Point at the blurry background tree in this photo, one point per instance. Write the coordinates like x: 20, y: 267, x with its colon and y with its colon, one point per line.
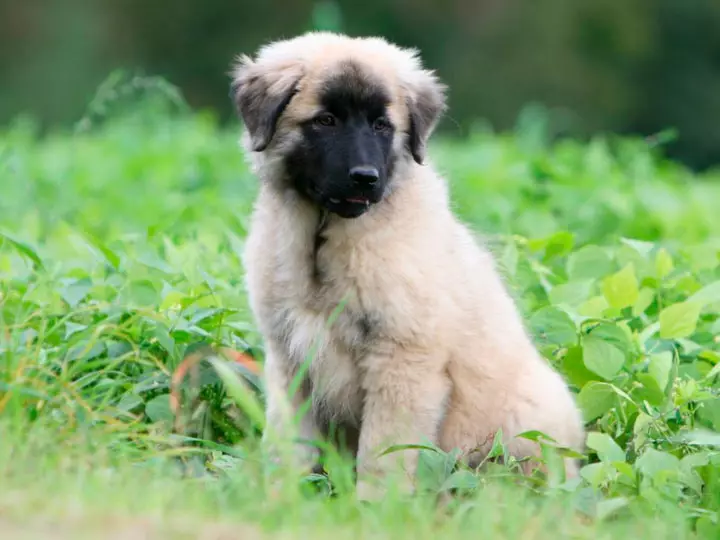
x: 638, y: 66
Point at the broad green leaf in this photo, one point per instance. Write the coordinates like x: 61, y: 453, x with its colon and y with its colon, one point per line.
x: 559, y: 243
x: 594, y: 307
x: 462, y: 479
x: 644, y: 300
x: 709, y: 294
x: 621, y: 288
x: 172, y: 298
x: 165, y: 339
x: 641, y: 247
x: 74, y: 292
x: 608, y: 507
x: 141, y: 293
x: 158, y: 408
x: 679, y: 320
x: 605, y: 447
x: 706, y: 526
x: 571, y: 293
x: 130, y: 401
x: 615, y: 334
x: 72, y: 328
x: 699, y: 459
x: 659, y: 368
x: 701, y: 437
x: 602, y: 357
x: 574, y: 368
x: 596, y: 473
x: 433, y: 469
x: 652, y: 462
x: 553, y: 325
x: 589, y: 262
x: 650, y: 390
x: 595, y: 399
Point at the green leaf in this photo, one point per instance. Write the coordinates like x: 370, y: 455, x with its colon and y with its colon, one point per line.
x: 652, y: 462
x: 608, y: 507
x: 595, y: 399
x: 433, y: 469
x: 552, y: 325
x: 589, y: 262
x: 574, y: 368
x: 23, y: 248
x: 401, y: 447
x: 130, y: 401
x: 645, y: 299
x: 75, y: 291
x: 679, y: 320
x: 709, y: 294
x: 700, y: 437
x: 601, y: 357
x: 650, y: 390
x: 559, y: 243
x: 571, y: 293
x: 158, y: 409
x: 537, y: 436
x: 659, y: 368
x: 165, y: 339
x: 614, y: 334
x: 141, y: 293
x: 621, y: 288
x: 596, y: 473
x: 72, y: 328
x: 594, y: 307
x: 498, y: 448
x: 462, y: 479
x: 605, y: 447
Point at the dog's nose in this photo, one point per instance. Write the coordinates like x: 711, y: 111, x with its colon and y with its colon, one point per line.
x: 364, y: 175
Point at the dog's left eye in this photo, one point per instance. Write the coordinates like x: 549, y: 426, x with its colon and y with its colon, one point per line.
x: 325, y: 119
x: 382, y: 124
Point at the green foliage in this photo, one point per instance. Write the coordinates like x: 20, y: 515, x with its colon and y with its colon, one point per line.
x: 120, y: 259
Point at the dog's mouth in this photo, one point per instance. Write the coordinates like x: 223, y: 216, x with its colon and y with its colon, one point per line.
x: 352, y: 200
x: 349, y: 207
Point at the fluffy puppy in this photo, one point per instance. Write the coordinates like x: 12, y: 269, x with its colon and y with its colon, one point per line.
x: 427, y: 346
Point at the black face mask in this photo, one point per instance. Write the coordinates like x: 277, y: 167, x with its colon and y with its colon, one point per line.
x: 345, y: 159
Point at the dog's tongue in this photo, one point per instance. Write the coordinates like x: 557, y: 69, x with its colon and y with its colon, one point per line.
x: 358, y: 200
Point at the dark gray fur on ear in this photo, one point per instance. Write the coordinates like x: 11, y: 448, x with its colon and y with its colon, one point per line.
x: 260, y: 97
x: 426, y: 105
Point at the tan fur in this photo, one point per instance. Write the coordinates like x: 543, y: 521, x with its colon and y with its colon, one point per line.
x: 429, y: 347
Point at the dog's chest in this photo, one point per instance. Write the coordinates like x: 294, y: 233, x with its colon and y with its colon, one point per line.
x: 335, y: 351
x: 314, y: 307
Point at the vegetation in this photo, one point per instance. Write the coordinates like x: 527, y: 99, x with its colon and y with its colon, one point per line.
x: 126, y: 403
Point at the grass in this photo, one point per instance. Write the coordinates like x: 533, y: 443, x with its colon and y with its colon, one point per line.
x: 119, y: 260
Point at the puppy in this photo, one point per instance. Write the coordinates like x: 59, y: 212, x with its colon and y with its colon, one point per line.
x: 354, y: 258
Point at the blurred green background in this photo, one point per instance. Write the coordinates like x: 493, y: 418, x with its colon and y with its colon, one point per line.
x: 627, y: 66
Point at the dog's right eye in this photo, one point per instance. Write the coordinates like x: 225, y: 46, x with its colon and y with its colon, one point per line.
x: 325, y: 119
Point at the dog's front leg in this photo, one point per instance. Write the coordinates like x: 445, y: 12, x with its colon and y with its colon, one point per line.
x: 282, y: 427
x: 405, y: 398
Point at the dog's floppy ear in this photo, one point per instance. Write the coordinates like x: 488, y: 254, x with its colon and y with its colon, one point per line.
x: 261, y: 93
x: 426, y: 102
